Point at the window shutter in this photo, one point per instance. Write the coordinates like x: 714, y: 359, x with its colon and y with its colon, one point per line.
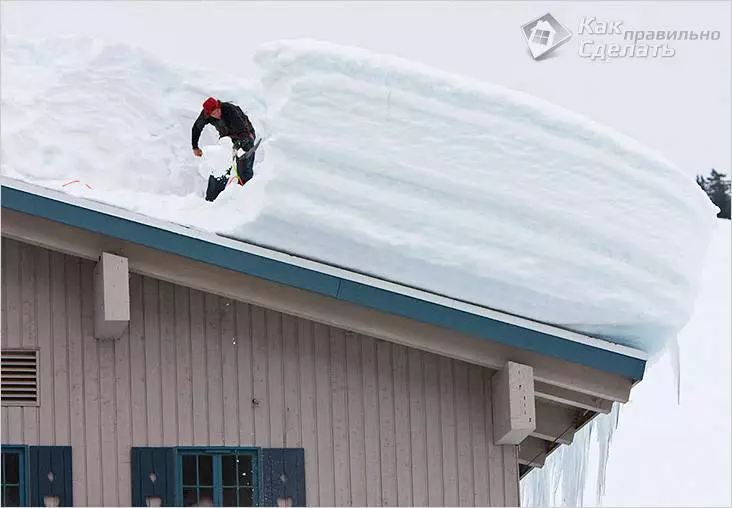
x: 153, y: 475
x: 51, y: 475
x: 283, y: 476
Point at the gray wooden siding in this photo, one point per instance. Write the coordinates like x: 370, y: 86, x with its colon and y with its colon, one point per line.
x: 381, y: 424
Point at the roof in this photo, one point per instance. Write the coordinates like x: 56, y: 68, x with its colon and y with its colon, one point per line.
x: 323, y: 279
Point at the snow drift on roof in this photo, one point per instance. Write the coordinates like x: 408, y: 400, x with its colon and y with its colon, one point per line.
x: 387, y: 167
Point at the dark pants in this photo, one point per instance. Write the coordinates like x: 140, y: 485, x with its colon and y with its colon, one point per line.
x: 244, y: 168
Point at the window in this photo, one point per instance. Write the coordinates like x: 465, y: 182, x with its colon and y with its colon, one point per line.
x: 541, y: 37
x: 217, y: 477
x: 13, y: 476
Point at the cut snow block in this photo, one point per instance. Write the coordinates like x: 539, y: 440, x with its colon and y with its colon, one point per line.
x: 111, y: 296
x: 514, y: 411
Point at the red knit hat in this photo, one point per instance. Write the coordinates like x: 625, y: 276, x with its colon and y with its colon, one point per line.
x: 209, y: 105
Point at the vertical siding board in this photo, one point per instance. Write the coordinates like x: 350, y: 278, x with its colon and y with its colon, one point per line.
x: 108, y: 427
x: 495, y: 454
x: 169, y: 388
x: 418, y: 432
x: 402, y: 426
x: 4, y: 339
x: 198, y: 359
x: 123, y: 414
x: 293, y: 428
x: 43, y: 313
x: 323, y: 415
x: 356, y: 433
x: 435, y: 480
x: 4, y: 295
x: 244, y: 366
x: 308, y: 409
x: 184, y: 376
x: 93, y: 475
x: 138, y: 386
x: 14, y: 415
x: 59, y: 333
x: 449, y: 453
x: 27, y: 296
x: 5, y: 425
x: 275, y: 378
x: 371, y: 422
x: 466, y: 495
x: 76, y: 378
x: 229, y: 373
x: 29, y: 335
x: 386, y: 423
x: 153, y: 375
x: 339, y: 404
x: 259, y: 379
x: 510, y: 465
x: 478, y: 435
x: 13, y: 293
x: 213, y: 389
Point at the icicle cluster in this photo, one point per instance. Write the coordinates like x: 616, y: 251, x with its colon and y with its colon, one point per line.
x: 562, y: 480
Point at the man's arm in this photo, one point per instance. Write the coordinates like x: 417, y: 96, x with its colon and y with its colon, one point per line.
x: 198, y: 126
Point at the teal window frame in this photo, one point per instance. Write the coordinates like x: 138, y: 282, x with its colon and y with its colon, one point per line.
x: 216, y: 452
x: 22, y: 452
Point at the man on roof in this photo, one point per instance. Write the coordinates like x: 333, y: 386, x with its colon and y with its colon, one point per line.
x: 229, y: 120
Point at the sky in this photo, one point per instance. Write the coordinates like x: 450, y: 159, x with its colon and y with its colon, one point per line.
x: 678, y: 106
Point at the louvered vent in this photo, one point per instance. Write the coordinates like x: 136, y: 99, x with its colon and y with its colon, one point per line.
x: 19, y: 377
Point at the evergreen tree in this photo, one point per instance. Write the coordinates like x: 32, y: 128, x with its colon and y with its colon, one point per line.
x: 702, y: 182
x: 717, y: 187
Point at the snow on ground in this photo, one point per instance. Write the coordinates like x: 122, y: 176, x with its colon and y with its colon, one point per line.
x: 382, y: 166
x: 665, y: 451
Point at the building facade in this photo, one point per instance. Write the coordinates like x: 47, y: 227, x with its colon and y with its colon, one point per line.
x: 221, y: 386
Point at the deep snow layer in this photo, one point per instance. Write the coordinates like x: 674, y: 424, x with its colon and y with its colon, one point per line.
x: 382, y: 166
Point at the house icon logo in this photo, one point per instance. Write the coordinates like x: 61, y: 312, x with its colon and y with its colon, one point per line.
x: 544, y: 34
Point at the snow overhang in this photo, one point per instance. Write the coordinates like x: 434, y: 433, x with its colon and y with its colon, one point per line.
x: 323, y: 279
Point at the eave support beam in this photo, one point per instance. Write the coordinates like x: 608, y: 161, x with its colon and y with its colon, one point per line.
x: 533, y: 452
x: 514, y: 414
x: 555, y: 423
x: 111, y: 296
x: 571, y: 398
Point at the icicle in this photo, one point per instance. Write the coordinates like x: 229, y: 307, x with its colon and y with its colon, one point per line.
x: 606, y: 426
x: 675, y: 356
x: 535, y: 489
x: 574, y: 474
x: 562, y: 480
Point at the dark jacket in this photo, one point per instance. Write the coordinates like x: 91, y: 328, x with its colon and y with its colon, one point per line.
x: 234, y: 123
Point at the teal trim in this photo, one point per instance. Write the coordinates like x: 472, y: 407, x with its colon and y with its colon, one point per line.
x: 24, y: 473
x: 218, y: 489
x: 324, y: 284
